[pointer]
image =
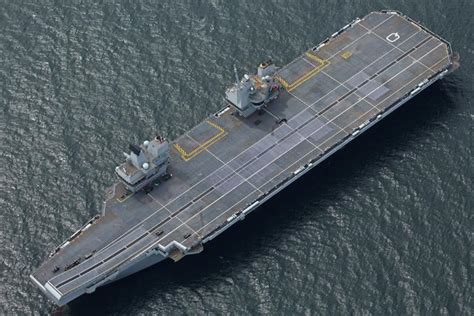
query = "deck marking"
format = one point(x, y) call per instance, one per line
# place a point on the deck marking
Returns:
point(186, 156)
point(343, 84)
point(378, 104)
point(393, 37)
point(369, 65)
point(355, 73)
point(322, 63)
point(398, 48)
point(349, 44)
point(294, 130)
point(226, 164)
point(154, 199)
point(346, 54)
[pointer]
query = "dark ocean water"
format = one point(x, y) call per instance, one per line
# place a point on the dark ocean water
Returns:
point(384, 227)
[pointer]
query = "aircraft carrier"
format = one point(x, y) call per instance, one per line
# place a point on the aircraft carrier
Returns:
point(172, 197)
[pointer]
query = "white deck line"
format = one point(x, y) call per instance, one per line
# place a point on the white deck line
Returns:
point(376, 60)
point(390, 43)
point(348, 88)
point(412, 80)
point(292, 129)
point(331, 37)
point(355, 93)
point(369, 65)
point(154, 199)
point(353, 122)
point(337, 53)
point(360, 37)
point(394, 47)
point(431, 68)
point(225, 164)
point(323, 72)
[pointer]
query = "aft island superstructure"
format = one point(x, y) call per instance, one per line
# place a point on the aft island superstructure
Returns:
point(277, 124)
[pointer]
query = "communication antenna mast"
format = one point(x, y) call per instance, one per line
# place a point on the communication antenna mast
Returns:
point(236, 75)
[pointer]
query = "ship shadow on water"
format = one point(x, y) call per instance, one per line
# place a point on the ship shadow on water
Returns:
point(241, 244)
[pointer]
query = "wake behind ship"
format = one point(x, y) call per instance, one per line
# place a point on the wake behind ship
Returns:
point(173, 197)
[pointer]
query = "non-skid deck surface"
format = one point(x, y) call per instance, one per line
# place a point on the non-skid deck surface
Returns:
point(224, 164)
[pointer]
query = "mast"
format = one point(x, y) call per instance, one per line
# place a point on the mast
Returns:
point(236, 76)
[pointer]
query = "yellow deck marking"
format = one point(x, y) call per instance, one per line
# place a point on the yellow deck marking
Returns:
point(322, 63)
point(316, 58)
point(346, 54)
point(201, 147)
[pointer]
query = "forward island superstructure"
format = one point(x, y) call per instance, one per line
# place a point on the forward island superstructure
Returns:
point(277, 124)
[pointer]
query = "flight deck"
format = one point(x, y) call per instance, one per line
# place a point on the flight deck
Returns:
point(228, 164)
